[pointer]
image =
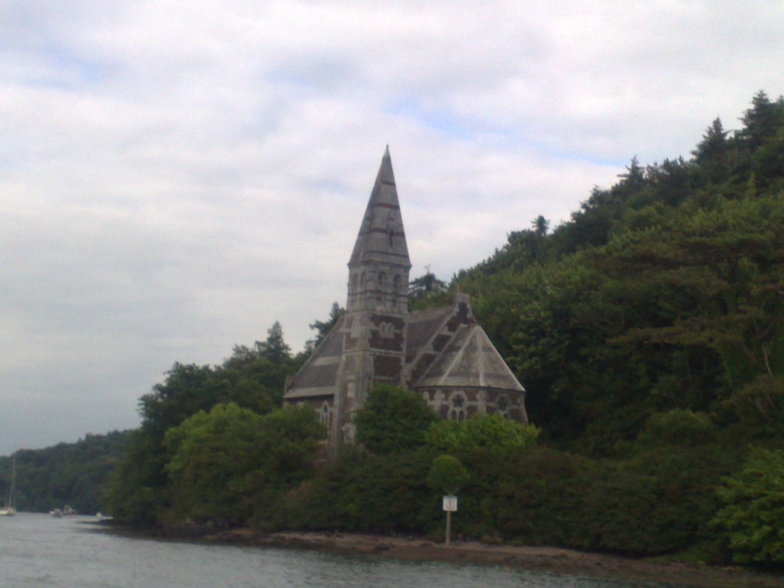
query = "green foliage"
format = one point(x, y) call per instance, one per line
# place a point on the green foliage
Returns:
point(481, 431)
point(427, 291)
point(684, 314)
point(322, 328)
point(447, 474)
point(393, 419)
point(677, 426)
point(137, 492)
point(752, 513)
point(71, 474)
point(229, 462)
point(362, 492)
point(252, 378)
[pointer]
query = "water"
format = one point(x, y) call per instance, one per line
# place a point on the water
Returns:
point(39, 551)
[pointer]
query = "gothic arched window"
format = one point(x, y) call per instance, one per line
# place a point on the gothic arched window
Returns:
point(381, 282)
point(324, 414)
point(502, 405)
point(457, 406)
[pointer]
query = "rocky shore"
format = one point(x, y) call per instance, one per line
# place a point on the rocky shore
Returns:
point(552, 559)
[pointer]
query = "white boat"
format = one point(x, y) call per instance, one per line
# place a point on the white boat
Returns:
point(8, 510)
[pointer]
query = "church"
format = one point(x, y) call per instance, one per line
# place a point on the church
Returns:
point(442, 354)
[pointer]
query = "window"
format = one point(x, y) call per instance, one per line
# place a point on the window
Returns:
point(386, 330)
point(324, 414)
point(502, 405)
point(457, 406)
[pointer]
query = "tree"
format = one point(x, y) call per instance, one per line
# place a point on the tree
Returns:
point(427, 291)
point(274, 348)
point(677, 426)
point(323, 327)
point(252, 378)
point(712, 153)
point(228, 463)
point(540, 226)
point(481, 431)
point(447, 475)
point(187, 389)
point(752, 515)
point(393, 419)
point(761, 121)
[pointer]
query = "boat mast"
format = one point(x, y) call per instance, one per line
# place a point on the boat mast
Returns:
point(12, 486)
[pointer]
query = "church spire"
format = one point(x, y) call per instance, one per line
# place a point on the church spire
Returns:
point(381, 235)
point(379, 264)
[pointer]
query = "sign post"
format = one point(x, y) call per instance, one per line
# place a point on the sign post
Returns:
point(449, 505)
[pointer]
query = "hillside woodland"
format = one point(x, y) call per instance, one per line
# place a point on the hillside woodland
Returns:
point(66, 474)
point(648, 331)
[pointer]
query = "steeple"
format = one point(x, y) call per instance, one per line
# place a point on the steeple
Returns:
point(379, 264)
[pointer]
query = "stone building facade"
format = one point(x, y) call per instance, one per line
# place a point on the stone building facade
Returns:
point(443, 354)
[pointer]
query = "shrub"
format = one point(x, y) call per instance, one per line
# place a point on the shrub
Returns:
point(752, 516)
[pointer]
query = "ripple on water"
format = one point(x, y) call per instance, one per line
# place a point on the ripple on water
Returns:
point(37, 550)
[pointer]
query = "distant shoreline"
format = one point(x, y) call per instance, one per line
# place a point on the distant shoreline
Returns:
point(552, 559)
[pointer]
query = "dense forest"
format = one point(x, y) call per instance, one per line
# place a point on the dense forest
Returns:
point(72, 474)
point(648, 332)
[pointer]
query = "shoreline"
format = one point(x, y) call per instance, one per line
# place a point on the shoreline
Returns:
point(544, 559)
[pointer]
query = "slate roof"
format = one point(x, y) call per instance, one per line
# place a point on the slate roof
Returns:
point(469, 361)
point(449, 355)
point(318, 376)
point(381, 235)
point(422, 326)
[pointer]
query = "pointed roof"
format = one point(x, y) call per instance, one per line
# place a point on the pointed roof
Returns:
point(470, 361)
point(381, 235)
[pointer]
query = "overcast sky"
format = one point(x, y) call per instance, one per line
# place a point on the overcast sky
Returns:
point(175, 177)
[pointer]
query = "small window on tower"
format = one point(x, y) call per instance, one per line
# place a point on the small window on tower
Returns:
point(386, 330)
point(391, 235)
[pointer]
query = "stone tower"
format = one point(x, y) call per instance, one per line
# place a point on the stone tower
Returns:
point(374, 331)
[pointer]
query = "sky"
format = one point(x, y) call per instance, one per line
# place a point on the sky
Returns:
point(175, 177)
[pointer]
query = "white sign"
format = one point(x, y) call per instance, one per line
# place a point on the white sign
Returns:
point(450, 503)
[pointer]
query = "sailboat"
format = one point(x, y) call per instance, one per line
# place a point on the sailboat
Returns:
point(8, 509)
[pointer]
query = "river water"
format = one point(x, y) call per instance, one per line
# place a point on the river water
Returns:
point(39, 551)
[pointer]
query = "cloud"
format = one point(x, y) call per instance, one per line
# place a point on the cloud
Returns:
point(175, 178)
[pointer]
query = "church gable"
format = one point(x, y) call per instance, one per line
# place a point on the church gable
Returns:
point(470, 361)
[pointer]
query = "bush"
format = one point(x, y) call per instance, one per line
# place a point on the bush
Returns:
point(752, 516)
point(677, 427)
point(481, 431)
point(393, 419)
point(447, 475)
point(367, 493)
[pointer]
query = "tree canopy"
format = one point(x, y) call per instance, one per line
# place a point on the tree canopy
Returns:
point(393, 419)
